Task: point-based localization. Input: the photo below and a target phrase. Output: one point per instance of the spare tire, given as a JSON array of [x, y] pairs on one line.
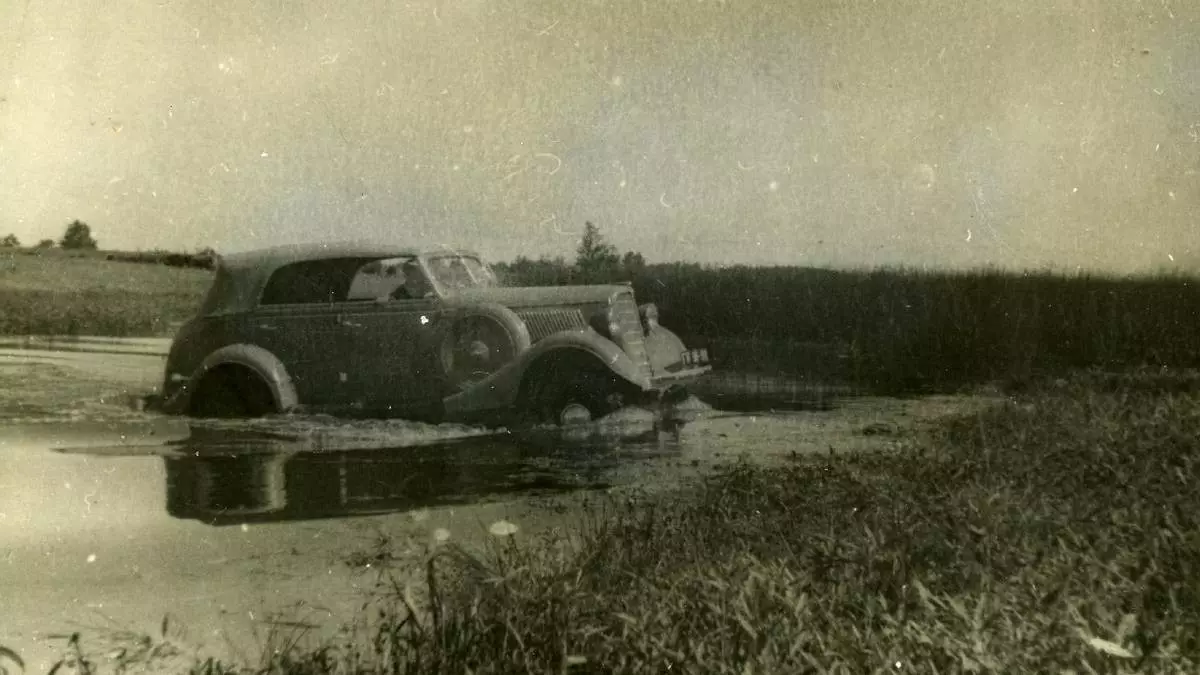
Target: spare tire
[[477, 345]]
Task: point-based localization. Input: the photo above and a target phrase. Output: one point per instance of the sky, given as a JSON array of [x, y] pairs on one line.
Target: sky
[[932, 133]]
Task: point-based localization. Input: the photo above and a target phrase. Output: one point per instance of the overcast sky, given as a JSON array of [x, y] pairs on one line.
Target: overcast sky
[[1019, 133]]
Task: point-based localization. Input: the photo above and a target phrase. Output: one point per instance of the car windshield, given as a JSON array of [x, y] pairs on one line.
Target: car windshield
[[456, 272]]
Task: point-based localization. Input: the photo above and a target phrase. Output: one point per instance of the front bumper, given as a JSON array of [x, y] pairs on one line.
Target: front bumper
[[691, 364], [668, 385]]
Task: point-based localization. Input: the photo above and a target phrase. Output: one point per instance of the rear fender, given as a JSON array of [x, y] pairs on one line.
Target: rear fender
[[262, 362], [500, 389]]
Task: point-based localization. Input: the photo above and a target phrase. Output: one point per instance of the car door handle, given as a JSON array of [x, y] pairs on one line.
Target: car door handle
[[267, 326], [348, 323]]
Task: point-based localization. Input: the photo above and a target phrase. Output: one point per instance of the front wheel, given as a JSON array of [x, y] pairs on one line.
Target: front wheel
[[577, 398]]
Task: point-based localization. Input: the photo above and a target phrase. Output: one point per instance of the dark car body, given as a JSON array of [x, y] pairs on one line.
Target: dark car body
[[383, 331]]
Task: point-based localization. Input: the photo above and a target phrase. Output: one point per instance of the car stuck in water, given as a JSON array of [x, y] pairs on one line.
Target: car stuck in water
[[382, 331]]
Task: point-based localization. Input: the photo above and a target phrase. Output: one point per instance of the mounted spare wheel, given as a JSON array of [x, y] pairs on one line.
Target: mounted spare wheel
[[478, 345]]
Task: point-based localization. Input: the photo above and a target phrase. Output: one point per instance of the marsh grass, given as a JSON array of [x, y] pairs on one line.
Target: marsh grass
[[904, 330], [1056, 533], [896, 330]]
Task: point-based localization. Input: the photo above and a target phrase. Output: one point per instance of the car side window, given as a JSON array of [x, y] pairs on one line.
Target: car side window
[[378, 279], [311, 282]]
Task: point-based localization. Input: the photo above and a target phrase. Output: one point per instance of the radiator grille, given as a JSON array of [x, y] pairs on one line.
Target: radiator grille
[[544, 322], [631, 339]]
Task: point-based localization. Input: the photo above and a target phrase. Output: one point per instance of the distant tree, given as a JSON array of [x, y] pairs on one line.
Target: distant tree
[[10, 241], [596, 257], [46, 243], [207, 257], [78, 236], [633, 262]]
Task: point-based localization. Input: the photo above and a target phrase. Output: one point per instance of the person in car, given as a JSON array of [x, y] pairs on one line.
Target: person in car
[[415, 285]]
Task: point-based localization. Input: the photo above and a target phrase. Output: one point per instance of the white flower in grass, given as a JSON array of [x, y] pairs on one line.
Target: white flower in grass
[[441, 534], [503, 528], [1111, 648]]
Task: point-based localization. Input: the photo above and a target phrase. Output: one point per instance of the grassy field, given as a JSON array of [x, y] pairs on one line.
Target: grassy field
[[60, 293], [1056, 534]]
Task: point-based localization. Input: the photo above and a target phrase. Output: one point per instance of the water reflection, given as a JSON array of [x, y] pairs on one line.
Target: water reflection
[[228, 476]]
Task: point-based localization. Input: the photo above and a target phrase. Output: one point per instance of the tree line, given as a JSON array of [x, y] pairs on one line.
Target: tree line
[[596, 260], [78, 237]]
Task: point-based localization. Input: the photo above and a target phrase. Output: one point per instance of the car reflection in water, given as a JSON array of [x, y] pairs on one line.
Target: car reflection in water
[[229, 477]]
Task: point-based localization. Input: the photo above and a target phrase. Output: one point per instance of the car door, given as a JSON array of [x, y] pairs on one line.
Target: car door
[[298, 320], [394, 344], [304, 338]]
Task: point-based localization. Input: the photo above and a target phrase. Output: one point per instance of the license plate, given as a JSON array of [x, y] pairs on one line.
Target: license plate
[[695, 357]]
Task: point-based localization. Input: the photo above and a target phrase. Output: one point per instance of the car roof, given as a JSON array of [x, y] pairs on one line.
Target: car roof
[[270, 258], [247, 272]]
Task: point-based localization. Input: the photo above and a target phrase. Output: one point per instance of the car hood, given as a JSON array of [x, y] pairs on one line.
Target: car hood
[[543, 296]]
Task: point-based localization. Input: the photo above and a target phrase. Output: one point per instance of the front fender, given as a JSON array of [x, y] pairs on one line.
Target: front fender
[[500, 389], [262, 362]]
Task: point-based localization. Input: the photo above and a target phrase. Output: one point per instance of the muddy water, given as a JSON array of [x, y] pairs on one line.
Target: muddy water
[[111, 518]]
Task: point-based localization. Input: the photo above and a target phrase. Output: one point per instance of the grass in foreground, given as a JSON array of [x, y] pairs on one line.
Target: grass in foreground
[[1057, 534]]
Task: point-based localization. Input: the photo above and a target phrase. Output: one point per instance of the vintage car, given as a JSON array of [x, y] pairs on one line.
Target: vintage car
[[380, 331]]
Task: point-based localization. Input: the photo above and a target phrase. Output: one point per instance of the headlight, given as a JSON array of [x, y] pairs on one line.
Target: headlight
[[607, 323], [649, 312], [614, 325]]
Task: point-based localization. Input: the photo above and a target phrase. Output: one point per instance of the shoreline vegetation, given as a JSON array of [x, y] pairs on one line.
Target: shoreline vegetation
[[888, 331], [1056, 532]]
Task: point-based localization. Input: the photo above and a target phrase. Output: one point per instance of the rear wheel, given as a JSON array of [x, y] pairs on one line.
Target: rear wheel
[[231, 392]]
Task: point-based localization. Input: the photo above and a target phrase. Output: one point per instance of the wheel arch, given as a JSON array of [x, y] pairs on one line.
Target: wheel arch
[[504, 387], [264, 365], [543, 367]]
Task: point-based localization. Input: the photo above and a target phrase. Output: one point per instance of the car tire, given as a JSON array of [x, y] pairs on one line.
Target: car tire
[[230, 394], [577, 398], [476, 346]]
